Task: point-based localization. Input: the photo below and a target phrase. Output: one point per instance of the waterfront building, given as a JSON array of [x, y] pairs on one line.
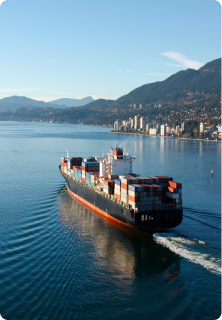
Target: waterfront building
[[177, 130], [136, 123], [116, 125], [142, 123], [131, 123], [147, 127], [168, 129], [162, 130], [152, 131], [202, 127]]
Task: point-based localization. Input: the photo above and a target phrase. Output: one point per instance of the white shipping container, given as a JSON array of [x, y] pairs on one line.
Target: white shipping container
[[83, 174], [124, 191]]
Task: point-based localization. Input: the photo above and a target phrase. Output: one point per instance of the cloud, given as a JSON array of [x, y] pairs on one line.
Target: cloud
[[1, 1], [175, 65], [158, 74], [130, 71], [179, 57], [52, 60]]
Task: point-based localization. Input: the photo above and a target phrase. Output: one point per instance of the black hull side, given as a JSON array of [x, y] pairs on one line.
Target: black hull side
[[156, 219]]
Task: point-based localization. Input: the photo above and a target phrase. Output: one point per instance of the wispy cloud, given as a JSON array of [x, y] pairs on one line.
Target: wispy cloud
[[52, 60], [158, 74], [179, 57], [175, 65], [2, 1], [131, 71]]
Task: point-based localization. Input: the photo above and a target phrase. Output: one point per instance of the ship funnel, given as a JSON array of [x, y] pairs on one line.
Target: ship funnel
[[67, 153]]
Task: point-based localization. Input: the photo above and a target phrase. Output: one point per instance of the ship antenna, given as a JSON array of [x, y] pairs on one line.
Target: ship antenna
[[67, 153]]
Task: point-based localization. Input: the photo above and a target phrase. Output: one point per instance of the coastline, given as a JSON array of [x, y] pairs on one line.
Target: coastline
[[165, 137]]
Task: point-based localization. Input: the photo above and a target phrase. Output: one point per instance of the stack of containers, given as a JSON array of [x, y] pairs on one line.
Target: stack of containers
[[117, 189], [64, 165], [93, 179], [125, 182], [108, 186], [75, 169], [164, 182], [89, 165], [79, 174], [174, 193], [144, 197], [67, 165]]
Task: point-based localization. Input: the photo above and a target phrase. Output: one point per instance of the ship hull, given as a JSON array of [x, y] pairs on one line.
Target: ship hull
[[148, 221]]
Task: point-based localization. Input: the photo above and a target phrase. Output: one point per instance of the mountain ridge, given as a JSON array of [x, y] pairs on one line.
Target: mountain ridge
[[15, 102], [72, 102]]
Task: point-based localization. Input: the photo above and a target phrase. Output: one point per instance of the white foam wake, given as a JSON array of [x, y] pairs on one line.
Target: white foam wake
[[188, 249]]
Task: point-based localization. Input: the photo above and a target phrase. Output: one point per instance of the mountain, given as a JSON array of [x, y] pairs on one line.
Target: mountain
[[15, 102], [186, 86], [73, 102]]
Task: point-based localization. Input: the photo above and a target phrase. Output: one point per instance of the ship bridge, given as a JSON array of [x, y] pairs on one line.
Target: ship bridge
[[115, 163]]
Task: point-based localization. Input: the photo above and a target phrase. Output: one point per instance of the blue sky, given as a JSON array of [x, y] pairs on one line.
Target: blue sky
[[102, 48]]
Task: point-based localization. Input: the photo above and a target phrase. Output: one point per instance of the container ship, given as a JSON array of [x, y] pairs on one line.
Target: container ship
[[108, 185]]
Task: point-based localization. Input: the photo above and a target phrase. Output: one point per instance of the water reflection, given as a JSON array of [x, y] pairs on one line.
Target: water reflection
[[123, 252]]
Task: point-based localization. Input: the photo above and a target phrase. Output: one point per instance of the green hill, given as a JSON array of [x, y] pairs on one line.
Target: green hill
[[185, 86]]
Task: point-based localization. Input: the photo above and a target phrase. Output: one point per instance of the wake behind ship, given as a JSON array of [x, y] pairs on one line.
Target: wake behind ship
[[107, 185]]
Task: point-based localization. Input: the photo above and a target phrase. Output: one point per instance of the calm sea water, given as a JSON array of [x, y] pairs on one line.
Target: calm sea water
[[60, 260]]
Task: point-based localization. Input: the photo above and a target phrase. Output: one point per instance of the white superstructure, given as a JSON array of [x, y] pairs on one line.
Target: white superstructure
[[115, 163]]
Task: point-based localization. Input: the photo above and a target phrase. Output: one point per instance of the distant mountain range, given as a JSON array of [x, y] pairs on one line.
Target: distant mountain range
[[72, 102], [15, 102]]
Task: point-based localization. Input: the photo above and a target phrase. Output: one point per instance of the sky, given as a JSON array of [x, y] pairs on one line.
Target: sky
[[52, 49]]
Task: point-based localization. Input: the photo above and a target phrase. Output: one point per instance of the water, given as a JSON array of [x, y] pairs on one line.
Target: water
[[61, 260]]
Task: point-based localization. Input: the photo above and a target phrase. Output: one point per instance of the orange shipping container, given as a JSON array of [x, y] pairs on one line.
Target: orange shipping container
[[124, 186], [171, 189], [175, 185], [117, 196]]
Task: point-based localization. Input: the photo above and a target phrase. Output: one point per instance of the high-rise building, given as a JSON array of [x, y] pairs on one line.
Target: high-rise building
[[142, 123], [131, 123], [162, 130], [202, 127], [116, 125], [183, 126], [147, 127], [177, 130], [136, 123]]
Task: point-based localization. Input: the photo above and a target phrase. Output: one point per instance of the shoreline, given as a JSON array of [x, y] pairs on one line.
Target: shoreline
[[165, 137]]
